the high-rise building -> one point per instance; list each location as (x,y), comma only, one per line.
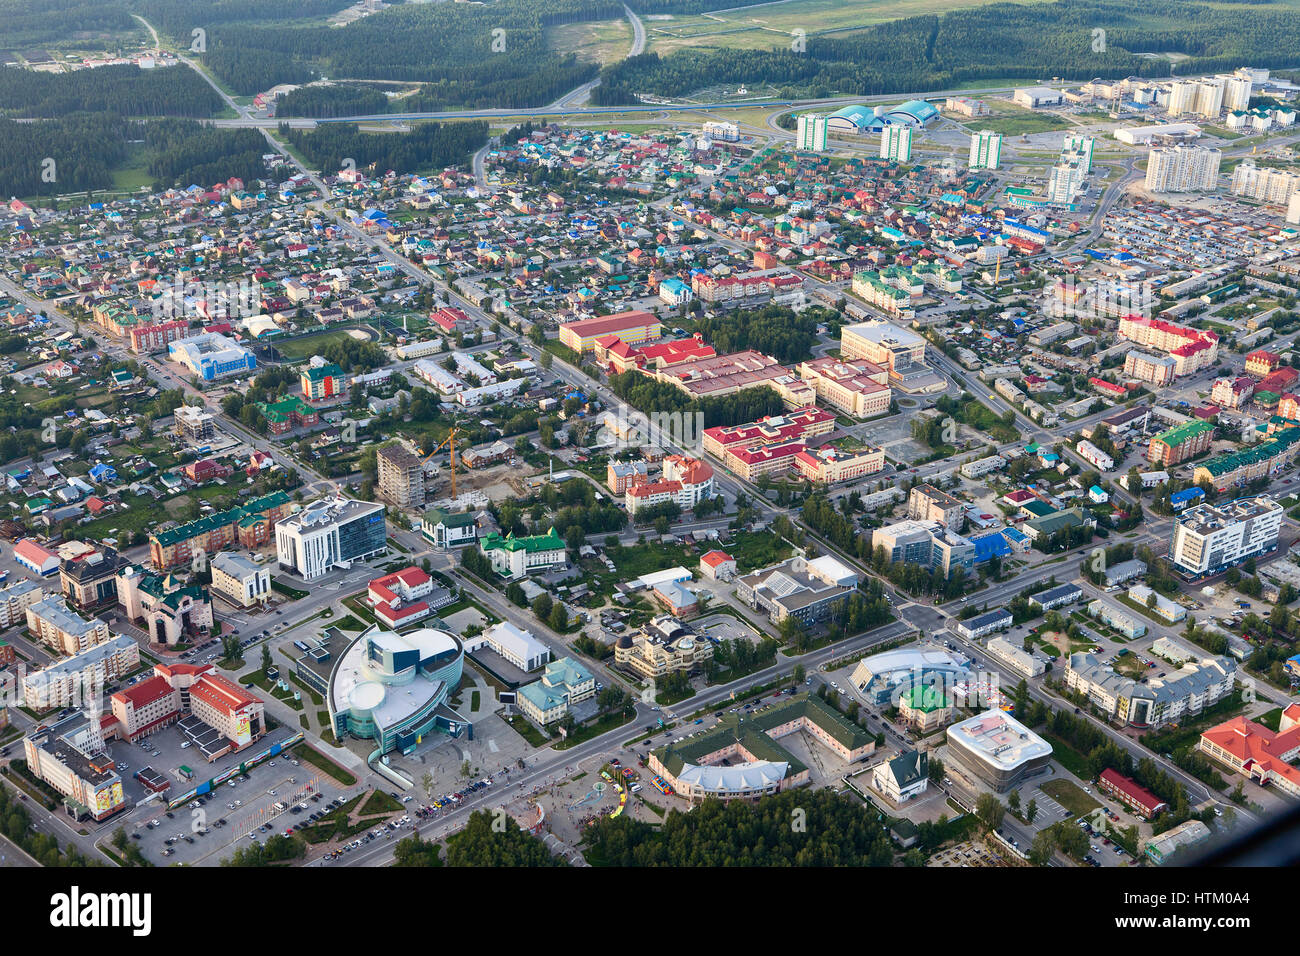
(401,476)
(985,150)
(1264,183)
(811,133)
(1182,169)
(1078,148)
(1209,97)
(896,144)
(1182,97)
(333,532)
(1236,92)
(1065,181)
(1209,538)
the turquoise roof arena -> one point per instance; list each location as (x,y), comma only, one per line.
(855,118)
(912,113)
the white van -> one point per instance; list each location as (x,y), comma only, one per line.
(279,807)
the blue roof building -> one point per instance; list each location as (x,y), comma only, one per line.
(1181,499)
(989,546)
(855,119)
(912,113)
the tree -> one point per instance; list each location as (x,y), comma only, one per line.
(1013,801)
(1031,809)
(798,675)
(1042,847)
(558,619)
(542,605)
(989,811)
(266,659)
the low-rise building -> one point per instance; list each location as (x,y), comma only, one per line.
(565,682)
(902,778)
(806,591)
(515,558)
(240,580)
(1159,701)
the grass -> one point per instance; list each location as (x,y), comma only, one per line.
(526,730)
(1067,756)
(604,724)
(324,764)
(305,346)
(1070,796)
(1013,124)
(601,41)
(379,802)
(287,590)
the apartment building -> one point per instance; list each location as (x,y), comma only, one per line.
(1183,168)
(76,681)
(1158,701)
(928,503)
(242,581)
(857,387)
(62,630)
(985,150)
(401,476)
(1264,183)
(1177,444)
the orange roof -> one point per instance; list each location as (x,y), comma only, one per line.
(222,694)
(715,558)
(145,692)
(1255,745)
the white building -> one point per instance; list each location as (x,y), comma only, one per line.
(985,150)
(330,533)
(1182,168)
(1264,183)
(243,581)
(1017,658)
(76,681)
(811,132)
(517,646)
(896,144)
(1093,454)
(1209,538)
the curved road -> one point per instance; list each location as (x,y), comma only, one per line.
(583,92)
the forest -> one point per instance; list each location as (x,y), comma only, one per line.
(427,146)
(774,330)
(126,90)
(833,832)
(994,42)
(86,148)
(643,392)
(25,23)
(324,101)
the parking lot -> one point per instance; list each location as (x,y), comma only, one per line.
(231,811)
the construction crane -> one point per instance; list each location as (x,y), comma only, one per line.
(449,441)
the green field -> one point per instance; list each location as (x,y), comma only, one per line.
(1014,123)
(772,25)
(301,348)
(1069,795)
(602,41)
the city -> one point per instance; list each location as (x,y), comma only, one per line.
(567,463)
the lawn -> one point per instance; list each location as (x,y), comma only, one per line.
(323,763)
(379,802)
(601,41)
(1070,796)
(1013,124)
(306,346)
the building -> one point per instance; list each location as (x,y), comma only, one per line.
(795,427)
(1251,462)
(986,623)
(883,344)
(1146,135)
(1111,616)
(1177,444)
(34,558)
(633,328)
(857,387)
(911,113)
(90,580)
(807,591)
(1183,168)
(1158,701)
(1033,97)
(446,530)
(985,150)
(194,424)
(517,646)
(564,683)
(515,558)
(664,647)
(406,596)
(146,707)
(828,465)
(211,356)
(1192,349)
(400,476)
(883,678)
(1154,370)
(1128,792)
(163,608)
(1065,181)
(322,381)
(250,525)
(393,688)
(287,414)
(896,144)
(64,631)
(998,750)
(1260,363)
(966,106)
(243,582)
(1160,848)
(927,543)
(69,755)
(741,759)
(902,778)
(724,375)
(718,566)
(622,475)
(1023,662)
(925,708)
(1265,184)
(1233,393)
(76,681)
(1209,538)
(1094,455)
(1254,751)
(1058,596)
(686,483)
(810,132)
(329,533)
(1170,611)
(15,599)
(925,502)
(855,119)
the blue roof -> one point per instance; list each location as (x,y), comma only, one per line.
(856,113)
(1187,494)
(917,111)
(1015,535)
(990,545)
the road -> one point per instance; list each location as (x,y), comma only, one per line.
(582,93)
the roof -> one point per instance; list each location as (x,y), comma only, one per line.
(221,694)
(1181,433)
(716,558)
(220,519)
(606,324)
(1140,795)
(532,544)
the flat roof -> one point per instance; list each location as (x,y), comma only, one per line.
(999,739)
